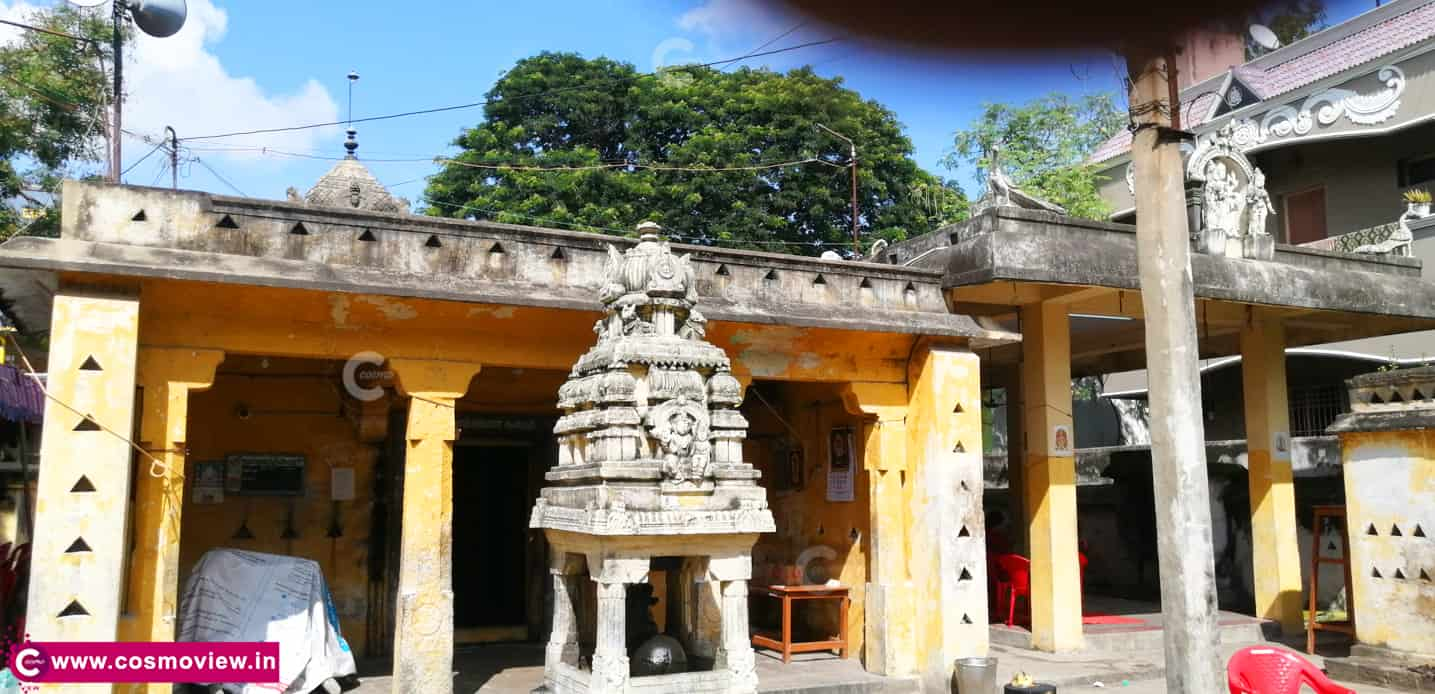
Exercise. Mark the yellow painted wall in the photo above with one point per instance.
(293, 408)
(1390, 483)
(804, 517)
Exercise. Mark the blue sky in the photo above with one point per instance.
(272, 63)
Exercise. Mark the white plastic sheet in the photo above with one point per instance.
(236, 595)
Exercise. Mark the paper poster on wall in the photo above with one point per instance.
(1061, 441)
(840, 465)
(1281, 446)
(209, 482)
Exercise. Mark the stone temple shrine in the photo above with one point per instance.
(651, 473)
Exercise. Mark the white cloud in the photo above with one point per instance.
(724, 18)
(180, 82)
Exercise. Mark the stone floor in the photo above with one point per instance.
(1139, 628)
(518, 668)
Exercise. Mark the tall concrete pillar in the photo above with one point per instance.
(1274, 551)
(167, 377)
(1049, 477)
(423, 630)
(889, 646)
(947, 541)
(81, 509)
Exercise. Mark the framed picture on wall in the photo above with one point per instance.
(788, 463)
(208, 482)
(841, 460)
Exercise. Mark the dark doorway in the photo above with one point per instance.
(490, 535)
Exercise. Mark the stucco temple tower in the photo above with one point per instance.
(650, 471)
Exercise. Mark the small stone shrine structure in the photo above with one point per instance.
(1387, 445)
(650, 467)
(1226, 199)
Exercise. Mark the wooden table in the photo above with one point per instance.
(782, 642)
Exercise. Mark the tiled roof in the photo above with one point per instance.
(1271, 77)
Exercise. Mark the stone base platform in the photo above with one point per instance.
(1131, 625)
(517, 668)
(1385, 667)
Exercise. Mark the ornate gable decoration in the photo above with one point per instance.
(1324, 108)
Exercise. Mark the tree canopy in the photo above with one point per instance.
(714, 156)
(1044, 145)
(53, 90)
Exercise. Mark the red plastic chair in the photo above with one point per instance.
(1267, 670)
(1014, 581)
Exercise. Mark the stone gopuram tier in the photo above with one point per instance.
(650, 466)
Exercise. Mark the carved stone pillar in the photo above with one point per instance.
(563, 640)
(736, 655)
(610, 653)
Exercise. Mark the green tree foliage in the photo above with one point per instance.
(563, 110)
(1043, 147)
(52, 95)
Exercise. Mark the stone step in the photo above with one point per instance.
(1383, 672)
(1134, 638)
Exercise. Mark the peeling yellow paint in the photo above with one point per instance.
(393, 309)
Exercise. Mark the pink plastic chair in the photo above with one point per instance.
(1267, 670)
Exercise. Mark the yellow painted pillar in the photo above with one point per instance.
(1050, 477)
(80, 544)
(423, 630)
(946, 539)
(166, 377)
(1274, 552)
(889, 647)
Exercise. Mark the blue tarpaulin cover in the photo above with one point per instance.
(21, 399)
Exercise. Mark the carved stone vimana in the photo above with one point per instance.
(650, 471)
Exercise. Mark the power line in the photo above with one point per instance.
(475, 104)
(217, 175)
(51, 32)
(141, 159)
(772, 40)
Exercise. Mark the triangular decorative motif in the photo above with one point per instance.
(960, 448)
(79, 545)
(966, 618)
(865, 284)
(82, 485)
(966, 575)
(368, 236)
(1372, 531)
(87, 424)
(1375, 572)
(1395, 531)
(771, 275)
(496, 248)
(558, 254)
(962, 485)
(1417, 394)
(1419, 531)
(299, 229)
(1375, 399)
(433, 242)
(227, 222)
(964, 532)
(1330, 547)
(1399, 575)
(243, 532)
(910, 288)
(958, 409)
(1424, 575)
(139, 217)
(74, 609)
(90, 364)
(1395, 397)
(722, 271)
(819, 281)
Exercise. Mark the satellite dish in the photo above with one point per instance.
(1264, 37)
(159, 18)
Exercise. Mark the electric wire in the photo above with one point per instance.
(139, 161)
(485, 102)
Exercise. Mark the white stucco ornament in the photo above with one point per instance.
(1233, 201)
(1324, 108)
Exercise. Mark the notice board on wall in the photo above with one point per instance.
(264, 474)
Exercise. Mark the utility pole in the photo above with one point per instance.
(852, 164)
(173, 158)
(1178, 440)
(116, 109)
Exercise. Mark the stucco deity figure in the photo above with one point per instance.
(1222, 199)
(1258, 204)
(680, 428)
